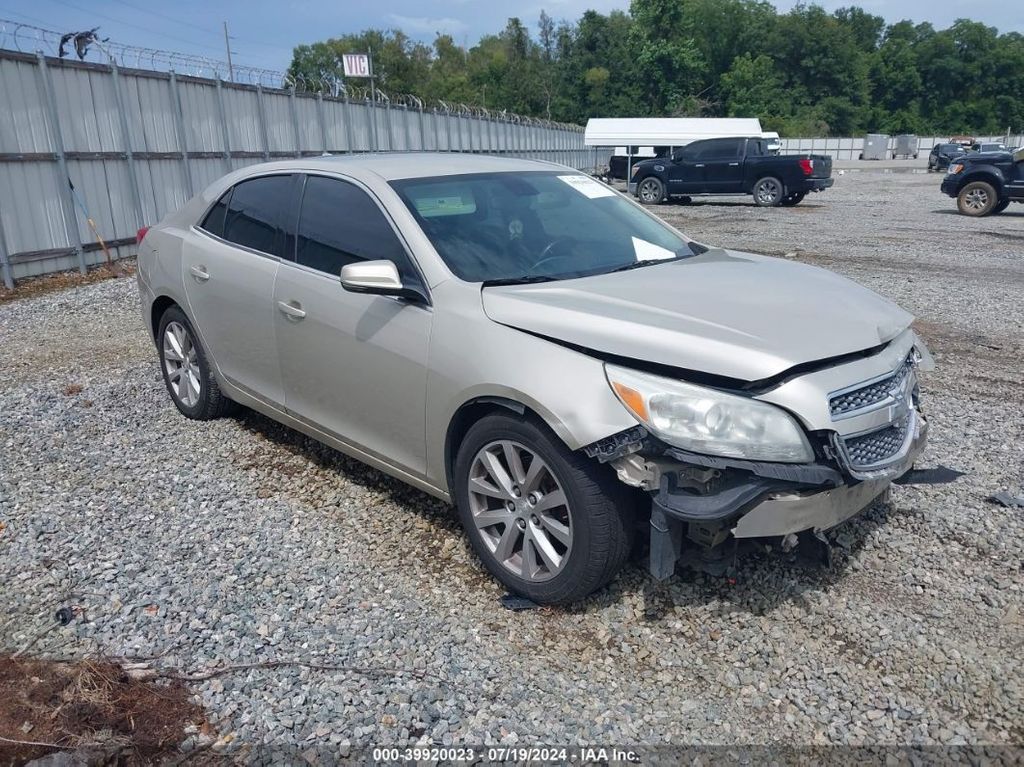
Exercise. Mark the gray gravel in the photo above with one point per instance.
(240, 541)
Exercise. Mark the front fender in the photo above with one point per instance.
(473, 357)
(989, 174)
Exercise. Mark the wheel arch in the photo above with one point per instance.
(160, 305)
(472, 411)
(988, 175)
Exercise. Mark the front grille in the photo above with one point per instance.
(875, 447)
(870, 394)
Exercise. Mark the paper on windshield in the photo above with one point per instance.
(648, 251)
(587, 186)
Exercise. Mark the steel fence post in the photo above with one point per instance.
(5, 262)
(389, 115)
(122, 118)
(423, 134)
(321, 121)
(179, 127)
(348, 124)
(295, 122)
(64, 181)
(224, 131)
(261, 115)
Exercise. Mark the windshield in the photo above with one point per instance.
(536, 226)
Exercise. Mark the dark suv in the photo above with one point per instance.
(985, 182)
(941, 155)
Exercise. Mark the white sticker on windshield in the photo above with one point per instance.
(588, 186)
(648, 251)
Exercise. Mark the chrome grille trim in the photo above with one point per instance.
(871, 394)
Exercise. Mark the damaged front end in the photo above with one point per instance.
(863, 436)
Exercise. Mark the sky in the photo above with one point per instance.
(263, 32)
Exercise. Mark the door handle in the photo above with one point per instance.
(291, 310)
(200, 273)
(699, 165)
(733, 164)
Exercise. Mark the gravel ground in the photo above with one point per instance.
(240, 541)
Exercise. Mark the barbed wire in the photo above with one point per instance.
(27, 38)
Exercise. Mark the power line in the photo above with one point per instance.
(128, 24)
(202, 29)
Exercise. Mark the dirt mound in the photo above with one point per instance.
(95, 706)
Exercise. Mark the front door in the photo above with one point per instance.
(685, 172)
(230, 262)
(353, 365)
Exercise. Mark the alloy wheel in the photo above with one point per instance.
(520, 510)
(182, 364)
(650, 191)
(768, 192)
(976, 199)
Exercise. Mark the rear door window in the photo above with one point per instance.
(340, 224)
(256, 213)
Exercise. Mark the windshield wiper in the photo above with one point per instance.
(638, 264)
(526, 279)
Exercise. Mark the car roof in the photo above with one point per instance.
(392, 166)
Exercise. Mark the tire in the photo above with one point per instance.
(1001, 206)
(977, 198)
(650, 191)
(793, 198)
(594, 525)
(177, 341)
(768, 192)
(684, 200)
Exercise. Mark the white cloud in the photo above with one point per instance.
(426, 26)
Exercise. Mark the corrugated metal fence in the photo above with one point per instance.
(850, 148)
(138, 143)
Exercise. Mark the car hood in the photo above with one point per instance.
(724, 313)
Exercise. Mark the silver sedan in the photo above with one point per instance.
(520, 339)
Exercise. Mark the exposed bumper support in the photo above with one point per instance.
(764, 503)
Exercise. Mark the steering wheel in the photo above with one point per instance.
(545, 255)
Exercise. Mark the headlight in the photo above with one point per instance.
(955, 168)
(708, 421)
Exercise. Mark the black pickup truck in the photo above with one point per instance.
(985, 182)
(731, 166)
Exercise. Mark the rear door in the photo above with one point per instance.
(723, 164)
(353, 365)
(230, 261)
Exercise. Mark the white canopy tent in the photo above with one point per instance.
(665, 131)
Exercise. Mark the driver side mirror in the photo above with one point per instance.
(379, 278)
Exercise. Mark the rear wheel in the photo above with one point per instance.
(977, 198)
(1001, 206)
(548, 523)
(651, 191)
(794, 198)
(768, 192)
(186, 369)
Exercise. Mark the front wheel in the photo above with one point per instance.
(768, 192)
(793, 198)
(977, 198)
(548, 523)
(651, 191)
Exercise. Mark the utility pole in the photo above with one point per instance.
(231, 69)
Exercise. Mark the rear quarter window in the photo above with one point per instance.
(214, 221)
